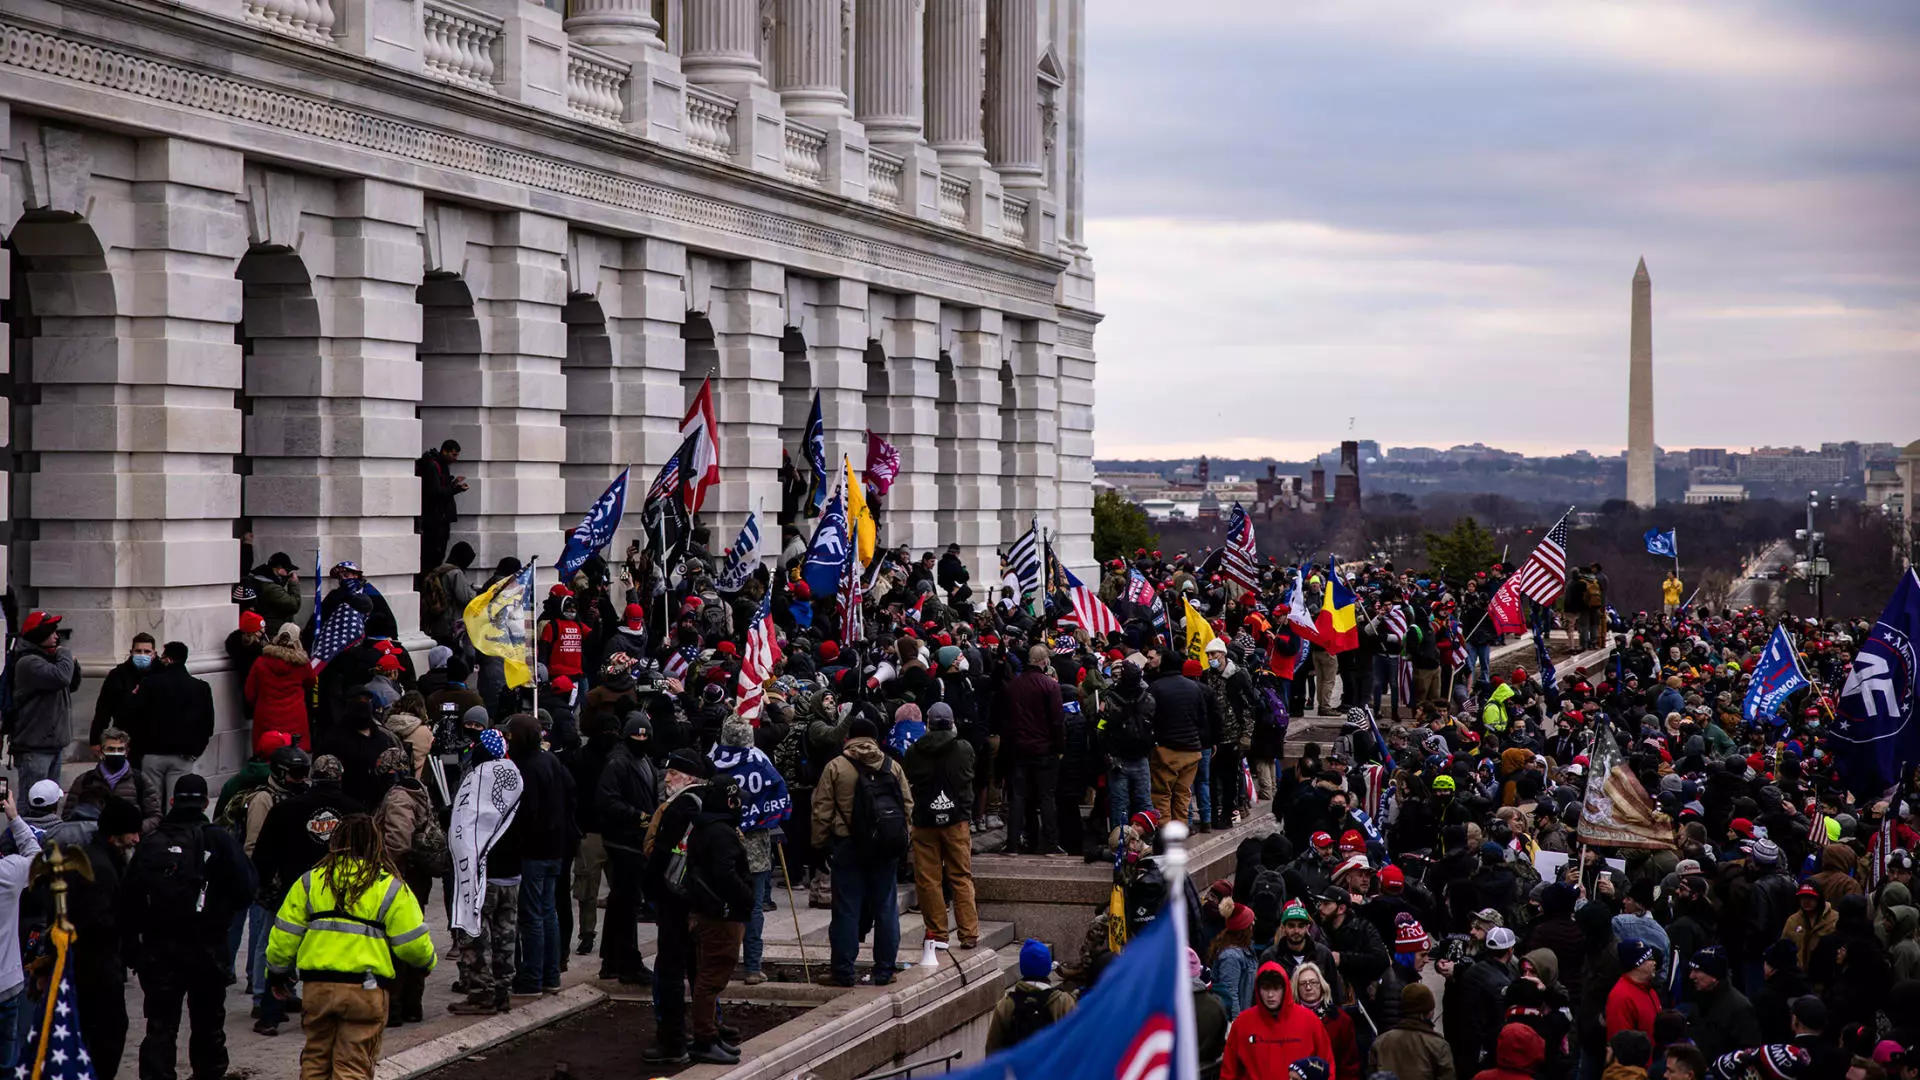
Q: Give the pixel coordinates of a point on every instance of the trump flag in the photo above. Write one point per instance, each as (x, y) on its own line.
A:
(1874, 739)
(1665, 544)
(596, 530)
(1775, 679)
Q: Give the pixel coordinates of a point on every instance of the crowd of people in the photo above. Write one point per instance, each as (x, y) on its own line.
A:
(636, 766)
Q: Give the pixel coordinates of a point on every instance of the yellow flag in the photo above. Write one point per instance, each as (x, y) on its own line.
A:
(500, 623)
(859, 518)
(1199, 633)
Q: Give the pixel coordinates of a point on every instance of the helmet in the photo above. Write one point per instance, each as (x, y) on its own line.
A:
(289, 763)
(1442, 783)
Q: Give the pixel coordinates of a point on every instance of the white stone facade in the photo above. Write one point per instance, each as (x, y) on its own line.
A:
(260, 253)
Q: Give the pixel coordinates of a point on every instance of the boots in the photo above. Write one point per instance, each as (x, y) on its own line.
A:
(478, 1003)
(712, 1053)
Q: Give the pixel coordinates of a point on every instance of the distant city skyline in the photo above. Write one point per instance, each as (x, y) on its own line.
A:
(1301, 450)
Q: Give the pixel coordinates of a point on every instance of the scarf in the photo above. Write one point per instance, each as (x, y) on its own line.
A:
(482, 810)
(113, 778)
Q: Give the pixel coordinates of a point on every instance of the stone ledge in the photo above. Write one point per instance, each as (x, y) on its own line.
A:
(487, 1033)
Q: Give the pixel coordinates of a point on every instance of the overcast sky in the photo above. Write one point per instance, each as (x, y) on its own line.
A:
(1426, 216)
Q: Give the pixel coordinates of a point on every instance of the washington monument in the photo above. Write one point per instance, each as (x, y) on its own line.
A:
(1640, 392)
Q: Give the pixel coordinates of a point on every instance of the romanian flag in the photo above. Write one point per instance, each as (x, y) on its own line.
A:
(1335, 629)
(1199, 633)
(859, 518)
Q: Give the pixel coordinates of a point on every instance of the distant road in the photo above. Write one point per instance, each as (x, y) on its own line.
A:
(1752, 590)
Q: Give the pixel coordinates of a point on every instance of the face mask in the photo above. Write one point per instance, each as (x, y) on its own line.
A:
(142, 661)
(113, 761)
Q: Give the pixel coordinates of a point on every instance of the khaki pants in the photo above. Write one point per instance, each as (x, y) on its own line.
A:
(1263, 779)
(1326, 672)
(945, 854)
(345, 1023)
(716, 951)
(1426, 685)
(1173, 773)
(588, 867)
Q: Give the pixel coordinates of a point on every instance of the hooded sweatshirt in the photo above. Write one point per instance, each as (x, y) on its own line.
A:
(1835, 879)
(1808, 931)
(1903, 952)
(1495, 716)
(1517, 1055)
(833, 798)
(1262, 1042)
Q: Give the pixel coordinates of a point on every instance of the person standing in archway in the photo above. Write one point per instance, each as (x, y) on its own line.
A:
(438, 489)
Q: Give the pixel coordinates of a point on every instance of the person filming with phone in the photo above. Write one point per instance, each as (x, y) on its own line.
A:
(38, 705)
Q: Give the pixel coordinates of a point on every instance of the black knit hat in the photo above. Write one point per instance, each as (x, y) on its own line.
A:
(118, 817)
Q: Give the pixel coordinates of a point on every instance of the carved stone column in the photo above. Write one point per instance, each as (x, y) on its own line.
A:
(887, 87)
(613, 22)
(953, 82)
(807, 46)
(1013, 92)
(720, 42)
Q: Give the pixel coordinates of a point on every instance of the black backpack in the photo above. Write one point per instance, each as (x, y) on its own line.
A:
(1267, 895)
(1128, 728)
(1032, 1013)
(174, 869)
(879, 823)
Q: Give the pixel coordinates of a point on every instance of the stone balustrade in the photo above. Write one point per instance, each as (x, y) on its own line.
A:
(806, 154)
(1013, 219)
(309, 20)
(459, 45)
(885, 173)
(953, 200)
(710, 123)
(596, 87)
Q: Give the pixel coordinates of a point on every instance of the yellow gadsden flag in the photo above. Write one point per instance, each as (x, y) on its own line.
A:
(1199, 632)
(859, 517)
(500, 623)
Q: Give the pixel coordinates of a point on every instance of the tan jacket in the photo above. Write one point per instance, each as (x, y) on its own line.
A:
(399, 818)
(833, 797)
(1412, 1050)
(417, 736)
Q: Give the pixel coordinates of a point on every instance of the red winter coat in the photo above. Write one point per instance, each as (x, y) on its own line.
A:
(277, 687)
(1262, 1043)
(1517, 1056)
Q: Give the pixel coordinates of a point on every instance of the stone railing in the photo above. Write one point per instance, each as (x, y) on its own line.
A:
(806, 154)
(953, 200)
(1013, 219)
(309, 20)
(596, 87)
(710, 123)
(884, 172)
(458, 44)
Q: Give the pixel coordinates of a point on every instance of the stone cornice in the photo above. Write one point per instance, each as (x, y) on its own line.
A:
(80, 58)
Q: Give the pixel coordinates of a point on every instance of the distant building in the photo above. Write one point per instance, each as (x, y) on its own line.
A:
(1412, 455)
(1346, 482)
(1208, 508)
(1716, 493)
(1775, 465)
(1704, 457)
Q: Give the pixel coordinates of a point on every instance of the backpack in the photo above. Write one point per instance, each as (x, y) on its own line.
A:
(1127, 729)
(1032, 1013)
(233, 813)
(1595, 597)
(1146, 894)
(675, 874)
(1268, 894)
(174, 860)
(431, 853)
(878, 825)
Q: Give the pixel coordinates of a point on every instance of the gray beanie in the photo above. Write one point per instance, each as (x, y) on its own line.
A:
(939, 715)
(476, 715)
(736, 731)
(637, 724)
(438, 656)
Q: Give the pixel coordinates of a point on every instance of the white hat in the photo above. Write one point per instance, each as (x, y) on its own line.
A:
(44, 794)
(1216, 646)
(1500, 939)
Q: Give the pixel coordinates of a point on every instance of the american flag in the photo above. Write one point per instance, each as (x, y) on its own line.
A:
(340, 631)
(1139, 590)
(1395, 620)
(54, 1050)
(756, 663)
(1088, 610)
(1544, 576)
(1236, 558)
(852, 620)
(680, 662)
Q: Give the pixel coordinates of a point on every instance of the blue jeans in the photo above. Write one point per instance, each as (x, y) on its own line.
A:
(1203, 790)
(259, 921)
(863, 891)
(12, 1035)
(1129, 790)
(33, 766)
(754, 946)
(1482, 661)
(540, 941)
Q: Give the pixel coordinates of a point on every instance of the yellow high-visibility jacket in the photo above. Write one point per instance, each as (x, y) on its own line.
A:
(326, 943)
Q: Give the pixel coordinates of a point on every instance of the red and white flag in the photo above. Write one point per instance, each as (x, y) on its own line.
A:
(883, 463)
(704, 472)
(756, 664)
(1504, 608)
(1089, 610)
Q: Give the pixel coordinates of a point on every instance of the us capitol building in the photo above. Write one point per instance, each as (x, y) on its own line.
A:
(260, 253)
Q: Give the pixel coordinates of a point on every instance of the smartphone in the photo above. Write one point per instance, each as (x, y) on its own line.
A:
(6, 788)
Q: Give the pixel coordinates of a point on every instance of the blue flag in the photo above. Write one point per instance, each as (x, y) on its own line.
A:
(764, 801)
(595, 531)
(1136, 1022)
(1875, 739)
(828, 552)
(814, 443)
(1665, 544)
(1775, 679)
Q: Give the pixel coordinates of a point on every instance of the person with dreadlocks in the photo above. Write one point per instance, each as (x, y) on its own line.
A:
(343, 927)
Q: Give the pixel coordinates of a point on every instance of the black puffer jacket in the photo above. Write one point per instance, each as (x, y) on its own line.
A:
(1184, 713)
(627, 796)
(718, 883)
(939, 768)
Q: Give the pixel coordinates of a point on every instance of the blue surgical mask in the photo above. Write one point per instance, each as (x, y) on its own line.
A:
(142, 660)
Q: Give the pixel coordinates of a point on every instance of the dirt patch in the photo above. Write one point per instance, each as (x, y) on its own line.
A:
(601, 1043)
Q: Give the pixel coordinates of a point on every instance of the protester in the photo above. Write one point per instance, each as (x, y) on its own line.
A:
(1031, 1004)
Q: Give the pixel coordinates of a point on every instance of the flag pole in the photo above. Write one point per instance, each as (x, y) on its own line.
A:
(1186, 1054)
(533, 625)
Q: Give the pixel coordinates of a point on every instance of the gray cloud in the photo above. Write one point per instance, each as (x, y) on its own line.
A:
(1437, 211)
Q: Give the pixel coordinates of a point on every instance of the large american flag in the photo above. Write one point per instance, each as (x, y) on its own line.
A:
(756, 663)
(680, 662)
(1395, 619)
(847, 603)
(1544, 576)
(1236, 558)
(54, 1050)
(340, 631)
(1088, 610)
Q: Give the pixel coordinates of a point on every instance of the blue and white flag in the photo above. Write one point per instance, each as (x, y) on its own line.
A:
(1875, 739)
(1136, 1023)
(595, 531)
(764, 801)
(814, 444)
(828, 552)
(1665, 544)
(1775, 679)
(742, 558)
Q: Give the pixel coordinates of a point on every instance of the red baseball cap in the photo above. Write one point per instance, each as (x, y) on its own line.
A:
(1322, 840)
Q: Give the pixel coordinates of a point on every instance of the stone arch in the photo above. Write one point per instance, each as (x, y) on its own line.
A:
(451, 388)
(592, 391)
(878, 388)
(796, 387)
(62, 313)
(287, 430)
